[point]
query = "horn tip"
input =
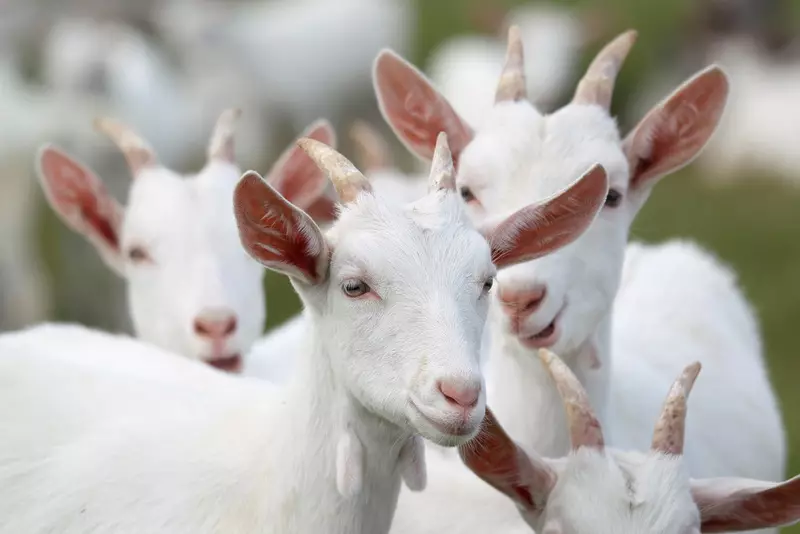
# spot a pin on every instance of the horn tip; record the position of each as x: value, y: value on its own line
x: 689, y: 376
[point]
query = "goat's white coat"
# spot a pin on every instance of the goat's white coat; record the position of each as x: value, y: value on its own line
x: 518, y: 156
x: 175, y: 447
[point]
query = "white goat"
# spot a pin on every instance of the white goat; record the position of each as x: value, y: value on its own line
x: 759, y: 131
x: 397, y: 298
x: 565, y: 300
x: 191, y: 289
x: 169, y: 107
x: 307, y: 57
x: 595, y: 489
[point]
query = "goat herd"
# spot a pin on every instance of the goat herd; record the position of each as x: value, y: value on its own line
x: 387, y: 406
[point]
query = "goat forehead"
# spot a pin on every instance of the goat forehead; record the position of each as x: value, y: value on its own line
x: 523, y: 157
x: 429, y: 242
x: 186, y: 211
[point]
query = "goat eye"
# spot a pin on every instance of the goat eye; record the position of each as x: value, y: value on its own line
x: 466, y: 195
x: 138, y: 254
x: 487, y: 285
x: 613, y: 198
x: 355, y: 288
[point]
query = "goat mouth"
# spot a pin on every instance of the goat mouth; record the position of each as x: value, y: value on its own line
x: 546, y: 337
x: 229, y: 364
x: 460, y: 430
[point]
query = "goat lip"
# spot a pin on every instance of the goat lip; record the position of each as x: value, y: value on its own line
x: 460, y: 430
x: 229, y: 364
x: 544, y: 338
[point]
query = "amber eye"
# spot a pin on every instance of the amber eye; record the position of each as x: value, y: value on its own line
x: 138, y: 254
x: 355, y: 288
x: 614, y: 198
x: 466, y: 195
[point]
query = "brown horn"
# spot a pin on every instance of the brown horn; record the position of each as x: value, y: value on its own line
x: 138, y: 152
x: 512, y: 79
x: 597, y: 85
x: 347, y: 180
x: 584, y: 428
x: 671, y: 425
x: 221, y: 145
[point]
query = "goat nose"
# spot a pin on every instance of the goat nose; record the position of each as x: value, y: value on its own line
x: 215, y: 323
x: 522, y: 302
x: 464, y: 395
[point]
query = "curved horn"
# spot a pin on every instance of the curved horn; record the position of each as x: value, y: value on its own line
x: 597, y: 85
x: 671, y: 425
x: 512, y: 79
x: 443, y: 175
x: 221, y: 145
x: 138, y: 152
x: 584, y: 428
x: 373, y: 152
x: 347, y: 180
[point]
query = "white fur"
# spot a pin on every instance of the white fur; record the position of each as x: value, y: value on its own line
x: 98, y: 442
x: 187, y: 225
x: 520, y: 155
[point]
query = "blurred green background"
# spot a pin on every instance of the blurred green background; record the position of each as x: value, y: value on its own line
x: 753, y: 224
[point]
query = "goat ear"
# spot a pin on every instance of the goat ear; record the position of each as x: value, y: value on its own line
x: 542, y: 228
x: 277, y: 234
x: 737, y: 504
x: 79, y: 198
x: 298, y: 179
x: 674, y: 132
x: 415, y: 110
x: 501, y: 463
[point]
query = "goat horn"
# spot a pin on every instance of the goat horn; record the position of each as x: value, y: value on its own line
x: 442, y: 174
x: 597, y: 85
x: 347, y: 180
x: 512, y: 80
x: 373, y: 152
x: 138, y: 152
x: 671, y: 425
x: 221, y: 145
x: 584, y: 428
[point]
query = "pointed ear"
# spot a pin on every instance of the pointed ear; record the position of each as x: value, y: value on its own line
x: 675, y: 131
x: 737, y: 504
x: 277, y: 234
x: 79, y: 198
x: 545, y: 227
x: 300, y: 181
x: 415, y: 110
x: 501, y: 463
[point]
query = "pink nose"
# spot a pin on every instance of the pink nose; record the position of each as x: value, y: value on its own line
x: 215, y: 323
x: 522, y: 302
x: 462, y: 395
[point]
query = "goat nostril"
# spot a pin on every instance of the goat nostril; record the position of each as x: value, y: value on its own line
x: 218, y: 327
x: 526, y: 301
x: 464, y: 396
x: 231, y: 326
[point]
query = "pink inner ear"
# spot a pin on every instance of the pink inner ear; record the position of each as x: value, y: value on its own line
x: 80, y: 198
x: 671, y: 135
x: 297, y: 177
x: 415, y: 110
x: 748, y: 508
x: 274, y: 232
x: 540, y: 229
